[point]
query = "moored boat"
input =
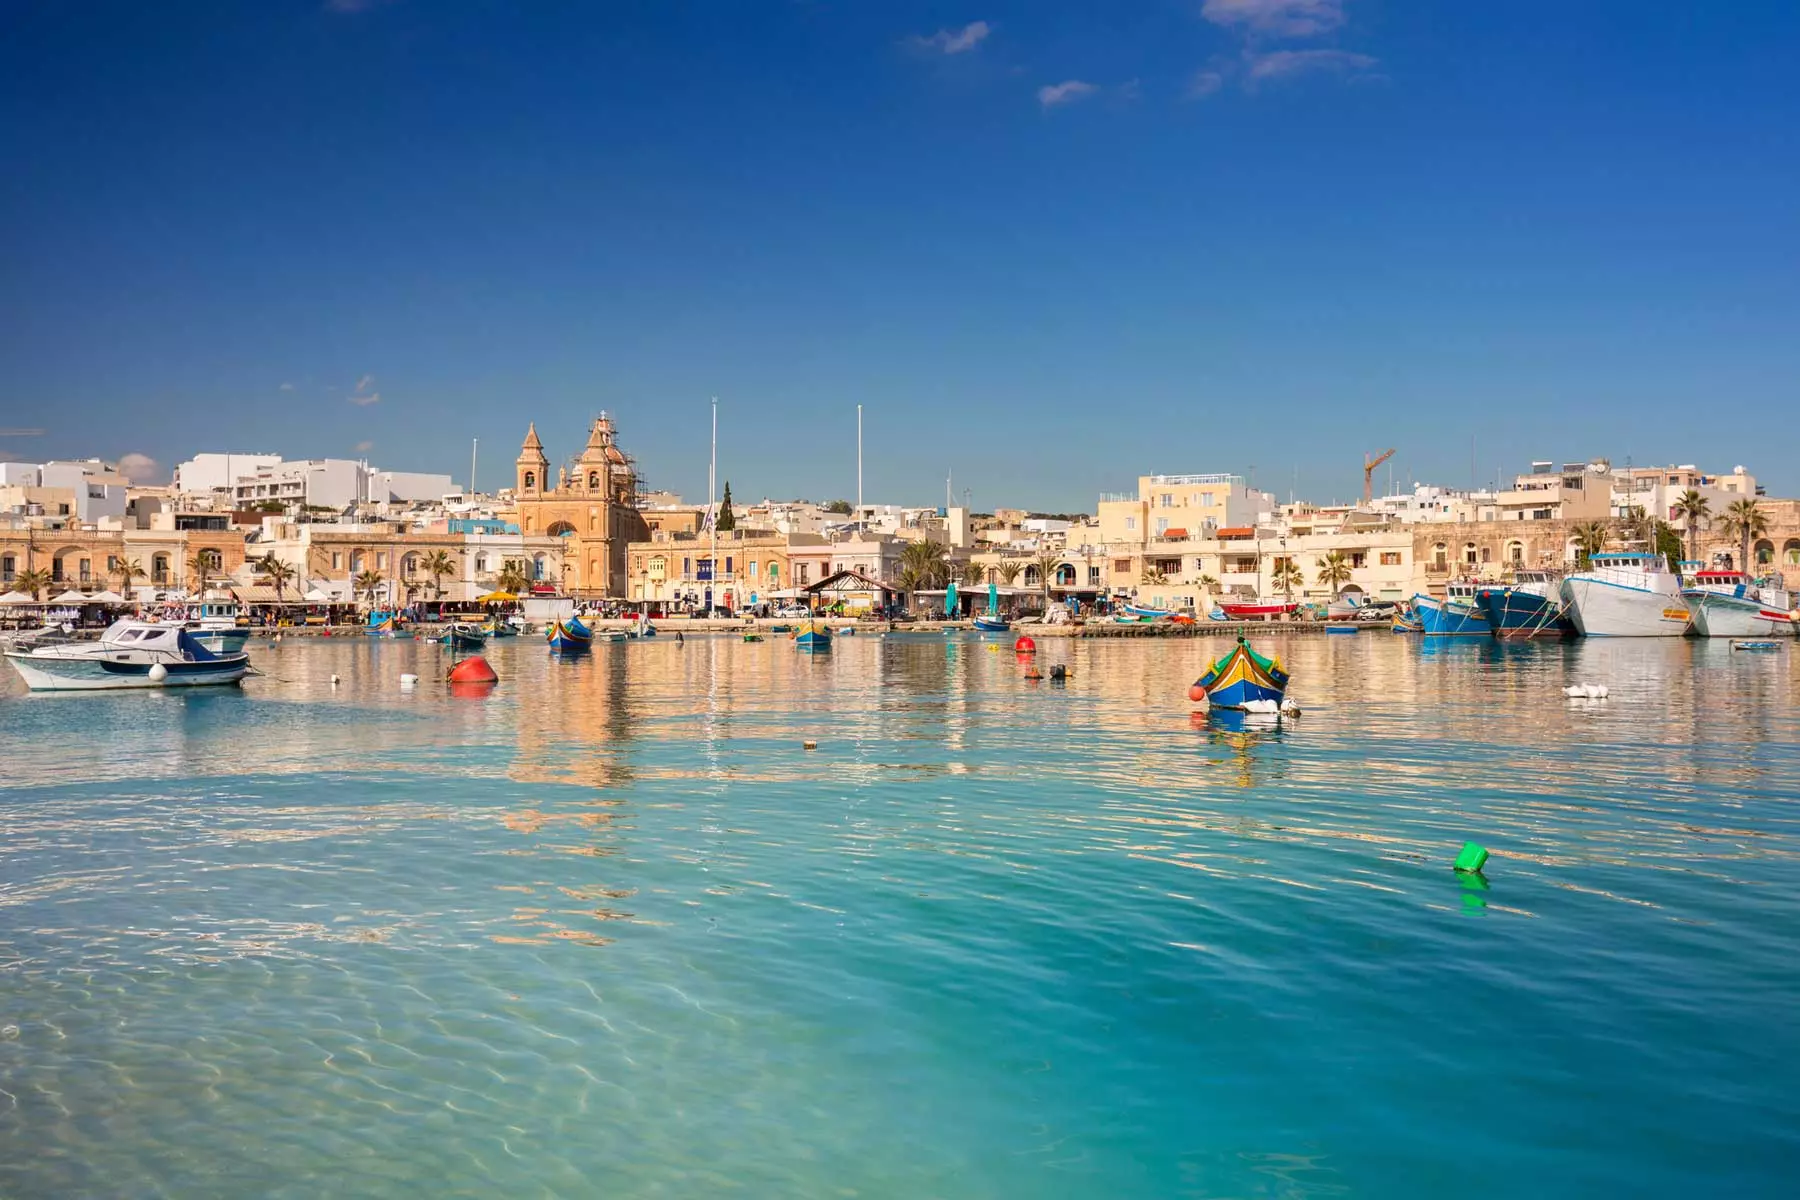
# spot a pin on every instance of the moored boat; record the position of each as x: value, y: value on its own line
x: 991, y: 625
x: 568, y: 636
x: 1732, y: 605
x: 813, y: 638
x: 1456, y: 615
x: 1258, y: 609
x: 1626, y: 593
x: 218, y: 625
x: 130, y: 654
x: 1148, y: 611
x: 1242, y: 678
x: 1530, y: 607
x: 466, y: 637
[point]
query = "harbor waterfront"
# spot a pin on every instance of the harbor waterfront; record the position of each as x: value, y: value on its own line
x: 611, y: 929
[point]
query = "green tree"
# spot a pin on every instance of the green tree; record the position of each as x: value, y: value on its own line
x: 1634, y: 524
x: 1694, y: 511
x: 1744, y: 520
x: 200, y: 568
x: 727, y: 519
x: 841, y: 507
x: 277, y: 572
x: 1046, y: 564
x: 1288, y: 577
x: 1666, y: 541
x: 1590, y: 539
x: 127, y: 569
x: 438, y: 564
x: 1154, y: 576
x: 973, y: 574
x: 1009, y: 572
x: 512, y: 577
x: 33, y: 582
x: 1334, y: 570
x: 369, y: 583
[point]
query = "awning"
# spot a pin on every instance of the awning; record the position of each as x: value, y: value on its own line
x: 17, y: 598
x: 496, y: 598
x: 70, y: 597
x: 107, y: 596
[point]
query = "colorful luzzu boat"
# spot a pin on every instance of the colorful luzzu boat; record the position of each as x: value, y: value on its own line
x: 1241, y: 679
x: 813, y: 638
x: 570, y: 635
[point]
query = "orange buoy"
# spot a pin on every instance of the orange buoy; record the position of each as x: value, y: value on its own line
x: 471, y: 691
x: 473, y: 669
x: 1025, y: 645
x: 1196, y: 693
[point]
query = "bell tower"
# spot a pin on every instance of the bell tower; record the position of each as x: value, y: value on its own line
x: 533, y: 477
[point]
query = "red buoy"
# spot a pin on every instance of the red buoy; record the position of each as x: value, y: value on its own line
x: 473, y: 669
x: 1025, y: 645
x: 1196, y: 693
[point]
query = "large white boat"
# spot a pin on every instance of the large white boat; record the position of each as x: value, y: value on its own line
x: 130, y: 654
x: 218, y: 624
x: 1626, y: 593
x: 1731, y: 604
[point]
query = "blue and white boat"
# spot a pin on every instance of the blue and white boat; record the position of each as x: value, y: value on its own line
x: 1626, y: 593
x: 466, y: 637
x: 1243, y: 679
x: 1146, y: 612
x: 566, y: 637
x: 130, y: 654
x: 991, y: 625
x: 1456, y: 615
x: 1530, y: 607
x: 1732, y: 605
x: 814, y: 639
x: 215, y: 624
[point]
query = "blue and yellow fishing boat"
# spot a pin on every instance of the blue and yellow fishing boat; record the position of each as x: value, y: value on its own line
x: 813, y: 638
x: 1240, y: 677
x: 466, y: 637
x: 570, y: 635
x: 384, y: 624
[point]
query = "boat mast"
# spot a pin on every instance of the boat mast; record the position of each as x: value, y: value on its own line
x: 712, y: 511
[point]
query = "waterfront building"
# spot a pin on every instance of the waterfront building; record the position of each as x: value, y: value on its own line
x: 90, y: 559
x: 678, y: 569
x: 329, y: 558
x: 593, y: 505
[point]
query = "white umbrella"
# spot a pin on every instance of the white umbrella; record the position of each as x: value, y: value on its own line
x: 70, y: 597
x: 107, y: 597
x: 17, y: 598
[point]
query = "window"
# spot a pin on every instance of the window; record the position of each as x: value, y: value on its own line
x: 1390, y: 558
x: 1359, y: 559
x: 159, y: 568
x: 803, y: 574
x: 87, y: 570
x: 593, y: 481
x: 687, y: 568
x: 481, y: 563
x: 112, y: 564
x: 728, y: 566
x: 1162, y: 526
x: 1790, y: 552
x: 1131, y: 522
x: 774, y: 574
x: 1486, y: 554
x: 356, y: 562
x: 530, y: 480
x: 1469, y: 554
x: 380, y: 560
x: 752, y: 565
x: 9, y: 567
x: 1094, y: 574
x: 1121, y: 565
x: 1167, y: 500
x: 1206, y: 499
x: 1515, y: 553
x: 337, y: 560
x: 1440, y: 556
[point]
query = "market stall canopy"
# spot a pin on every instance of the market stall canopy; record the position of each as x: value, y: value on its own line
x: 17, y: 598
x: 70, y: 597
x: 496, y: 598
x: 107, y: 597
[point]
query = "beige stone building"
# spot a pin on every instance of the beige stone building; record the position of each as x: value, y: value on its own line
x: 593, y: 505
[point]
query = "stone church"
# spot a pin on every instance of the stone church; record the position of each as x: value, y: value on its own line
x: 593, y: 504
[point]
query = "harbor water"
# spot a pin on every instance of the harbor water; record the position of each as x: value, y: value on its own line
x: 611, y: 930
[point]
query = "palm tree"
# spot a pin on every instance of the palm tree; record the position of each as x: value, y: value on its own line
x: 1693, y: 509
x: 973, y: 574
x: 1334, y: 571
x: 33, y: 582
x: 1009, y: 572
x: 923, y: 564
x: 1208, y: 583
x: 512, y: 577
x: 438, y: 564
x: 1046, y: 564
x: 1153, y: 577
x: 128, y: 569
x: 278, y: 573
x: 1590, y: 539
x: 1634, y: 524
x: 200, y: 568
x: 369, y: 582
x: 1288, y: 576
x: 1745, y: 520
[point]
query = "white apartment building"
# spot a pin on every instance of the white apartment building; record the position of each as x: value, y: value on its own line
x: 209, y: 472
x: 406, y: 487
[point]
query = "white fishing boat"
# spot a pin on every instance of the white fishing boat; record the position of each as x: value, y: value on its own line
x: 1626, y: 593
x: 130, y: 654
x: 1730, y: 604
x: 218, y: 625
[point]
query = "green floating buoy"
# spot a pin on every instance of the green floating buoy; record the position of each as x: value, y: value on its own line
x: 1470, y: 859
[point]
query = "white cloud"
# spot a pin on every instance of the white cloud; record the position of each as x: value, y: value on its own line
x: 954, y: 41
x: 364, y: 399
x: 1280, y: 64
x: 365, y: 383
x: 1277, y: 18
x: 364, y: 447
x: 140, y: 468
x: 1204, y: 84
x: 1067, y: 92
x: 287, y: 387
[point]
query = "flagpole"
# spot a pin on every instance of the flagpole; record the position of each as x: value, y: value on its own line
x: 712, y: 511
x: 859, y: 462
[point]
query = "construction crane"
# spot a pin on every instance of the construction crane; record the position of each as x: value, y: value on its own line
x: 1369, y: 465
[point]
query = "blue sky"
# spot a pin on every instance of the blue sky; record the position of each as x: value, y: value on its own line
x: 1048, y: 245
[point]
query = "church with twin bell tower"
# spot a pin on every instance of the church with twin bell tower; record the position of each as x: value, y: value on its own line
x: 593, y: 504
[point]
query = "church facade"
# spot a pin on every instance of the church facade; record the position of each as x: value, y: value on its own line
x: 592, y: 504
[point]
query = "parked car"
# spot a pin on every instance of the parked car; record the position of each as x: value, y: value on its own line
x: 791, y: 610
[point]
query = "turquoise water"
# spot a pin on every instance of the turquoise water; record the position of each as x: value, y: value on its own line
x: 611, y: 931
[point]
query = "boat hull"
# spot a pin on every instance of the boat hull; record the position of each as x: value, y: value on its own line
x: 1257, y: 612
x: 98, y: 674
x: 570, y: 637
x: 991, y: 625
x: 1241, y: 677
x: 1516, y: 615
x: 1442, y: 618
x: 1718, y: 615
x: 1600, y: 608
x: 221, y: 641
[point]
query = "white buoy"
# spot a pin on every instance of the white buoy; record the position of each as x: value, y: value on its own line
x: 158, y: 672
x: 407, y: 681
x: 1576, y: 692
x: 1595, y: 691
